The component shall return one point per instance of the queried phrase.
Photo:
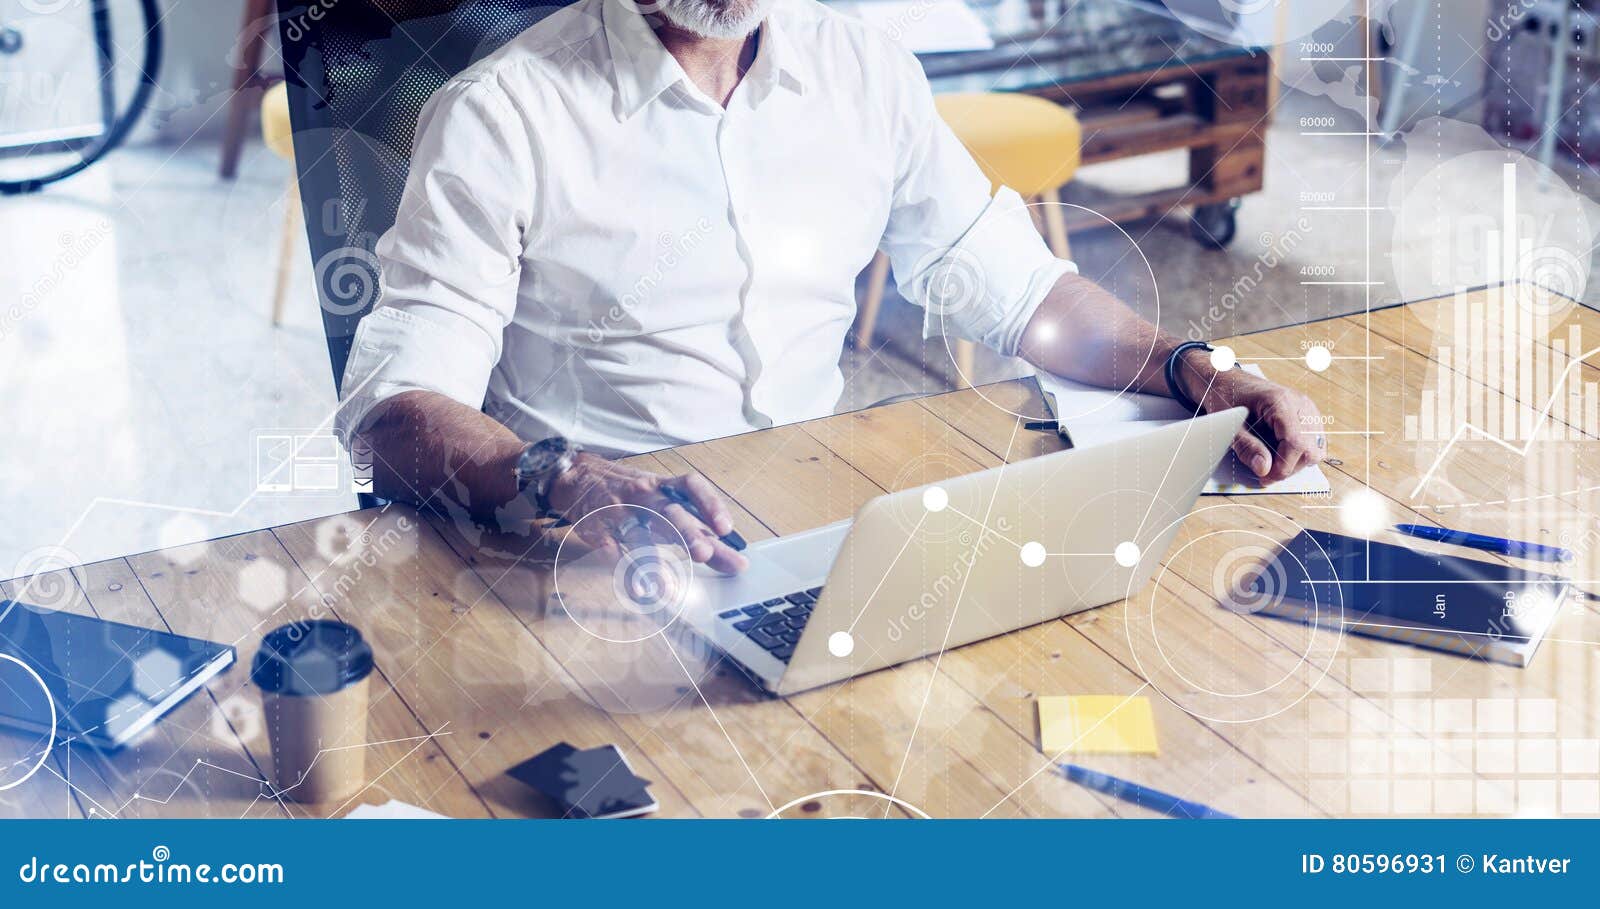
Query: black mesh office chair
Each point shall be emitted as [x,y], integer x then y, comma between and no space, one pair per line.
[359,72]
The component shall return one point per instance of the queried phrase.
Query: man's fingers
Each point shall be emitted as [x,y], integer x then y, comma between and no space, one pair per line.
[706,498]
[1294,443]
[695,535]
[1253,453]
[726,559]
[1314,436]
[598,536]
[704,546]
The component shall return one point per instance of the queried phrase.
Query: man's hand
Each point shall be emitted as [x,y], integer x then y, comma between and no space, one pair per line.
[1284,431]
[594,482]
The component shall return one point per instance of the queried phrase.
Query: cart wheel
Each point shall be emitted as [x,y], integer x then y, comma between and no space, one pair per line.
[1214,225]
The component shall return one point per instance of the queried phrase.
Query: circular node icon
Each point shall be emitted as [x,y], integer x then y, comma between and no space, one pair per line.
[1249,578]
[1526,225]
[626,594]
[45,577]
[1127,554]
[1223,358]
[1318,358]
[612,622]
[879,802]
[930,517]
[841,644]
[1364,512]
[1033,554]
[1196,630]
[22,756]
[1115,517]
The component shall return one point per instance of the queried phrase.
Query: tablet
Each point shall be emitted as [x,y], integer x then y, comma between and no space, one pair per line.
[1484,609]
[103,682]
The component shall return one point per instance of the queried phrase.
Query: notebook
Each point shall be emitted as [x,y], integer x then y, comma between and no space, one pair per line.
[106,681]
[1484,609]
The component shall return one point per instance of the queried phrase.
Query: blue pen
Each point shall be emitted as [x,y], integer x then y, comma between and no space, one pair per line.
[1514,548]
[1143,796]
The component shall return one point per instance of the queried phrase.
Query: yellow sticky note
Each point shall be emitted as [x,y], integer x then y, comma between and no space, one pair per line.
[1096,723]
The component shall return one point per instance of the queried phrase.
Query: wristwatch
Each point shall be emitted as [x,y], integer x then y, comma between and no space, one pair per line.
[1174,384]
[540,464]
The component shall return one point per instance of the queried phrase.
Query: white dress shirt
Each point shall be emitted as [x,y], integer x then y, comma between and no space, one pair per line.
[588,246]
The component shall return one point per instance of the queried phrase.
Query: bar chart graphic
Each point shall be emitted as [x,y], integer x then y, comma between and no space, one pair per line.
[1504,344]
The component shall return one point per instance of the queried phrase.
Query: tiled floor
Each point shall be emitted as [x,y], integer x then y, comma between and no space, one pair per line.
[138,366]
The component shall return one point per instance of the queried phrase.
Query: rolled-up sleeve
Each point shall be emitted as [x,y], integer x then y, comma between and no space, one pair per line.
[976,265]
[451,263]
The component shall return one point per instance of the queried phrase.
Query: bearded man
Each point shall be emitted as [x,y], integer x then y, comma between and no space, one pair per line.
[636,226]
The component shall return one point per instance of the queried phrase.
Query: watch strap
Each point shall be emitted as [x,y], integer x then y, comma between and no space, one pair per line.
[1174,386]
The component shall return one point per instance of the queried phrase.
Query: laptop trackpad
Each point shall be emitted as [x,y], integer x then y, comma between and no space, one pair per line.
[778,566]
[807,555]
[763,580]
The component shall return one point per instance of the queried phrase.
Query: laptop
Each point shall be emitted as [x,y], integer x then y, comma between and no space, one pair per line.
[968,558]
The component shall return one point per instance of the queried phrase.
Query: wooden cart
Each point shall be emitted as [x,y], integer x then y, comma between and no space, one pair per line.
[1142,83]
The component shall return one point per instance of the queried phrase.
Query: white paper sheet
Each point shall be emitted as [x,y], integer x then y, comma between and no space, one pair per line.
[924,26]
[1095,416]
[392,810]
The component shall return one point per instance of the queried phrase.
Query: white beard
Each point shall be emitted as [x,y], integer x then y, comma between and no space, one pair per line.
[716,18]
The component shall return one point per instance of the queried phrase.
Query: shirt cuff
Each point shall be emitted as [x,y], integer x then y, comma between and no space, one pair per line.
[396,351]
[987,287]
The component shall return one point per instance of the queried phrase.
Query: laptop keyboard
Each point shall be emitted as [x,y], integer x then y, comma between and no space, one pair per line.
[775,625]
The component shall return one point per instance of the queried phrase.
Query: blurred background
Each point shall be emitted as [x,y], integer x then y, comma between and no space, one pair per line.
[164,374]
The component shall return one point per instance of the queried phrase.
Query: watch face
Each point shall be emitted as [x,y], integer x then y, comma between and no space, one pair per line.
[540,458]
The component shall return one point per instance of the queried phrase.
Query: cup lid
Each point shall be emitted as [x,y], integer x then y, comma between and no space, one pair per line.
[316,657]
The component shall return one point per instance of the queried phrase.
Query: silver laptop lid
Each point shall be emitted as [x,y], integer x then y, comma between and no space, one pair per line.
[978,555]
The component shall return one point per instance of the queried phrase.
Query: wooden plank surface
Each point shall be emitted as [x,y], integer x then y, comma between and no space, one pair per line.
[480,666]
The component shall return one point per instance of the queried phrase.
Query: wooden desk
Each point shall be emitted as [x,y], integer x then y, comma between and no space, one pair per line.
[467,654]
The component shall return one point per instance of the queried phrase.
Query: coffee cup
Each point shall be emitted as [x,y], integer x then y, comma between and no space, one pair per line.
[314,678]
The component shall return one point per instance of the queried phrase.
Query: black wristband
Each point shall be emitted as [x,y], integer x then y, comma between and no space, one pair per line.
[1175,387]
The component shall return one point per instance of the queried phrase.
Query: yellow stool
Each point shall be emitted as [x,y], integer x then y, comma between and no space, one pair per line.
[278,135]
[1020,141]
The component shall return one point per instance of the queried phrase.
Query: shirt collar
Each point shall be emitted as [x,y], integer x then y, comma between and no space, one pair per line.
[642,69]
[778,61]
